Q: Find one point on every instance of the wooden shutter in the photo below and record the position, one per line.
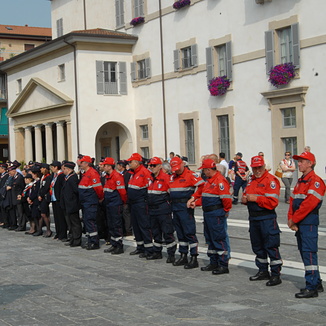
(295, 44)
(176, 60)
(123, 78)
(194, 56)
(100, 77)
(141, 7)
(136, 8)
(228, 60)
(117, 13)
(133, 71)
(269, 50)
(148, 67)
(209, 64)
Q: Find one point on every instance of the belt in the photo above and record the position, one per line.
(262, 213)
(153, 206)
(212, 208)
(180, 200)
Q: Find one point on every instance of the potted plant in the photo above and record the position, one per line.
(281, 74)
(181, 3)
(219, 85)
(137, 21)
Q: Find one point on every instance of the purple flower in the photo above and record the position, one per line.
(281, 74)
(181, 3)
(137, 20)
(219, 85)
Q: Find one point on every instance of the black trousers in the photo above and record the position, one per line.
(75, 228)
(59, 220)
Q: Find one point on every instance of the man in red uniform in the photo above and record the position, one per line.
(159, 207)
(216, 202)
(183, 184)
(137, 197)
(261, 197)
(90, 193)
(303, 217)
(241, 171)
(115, 197)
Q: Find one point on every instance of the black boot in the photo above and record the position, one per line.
(183, 260)
(170, 259)
(193, 263)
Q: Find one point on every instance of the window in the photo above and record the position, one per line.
(290, 145)
(219, 61)
(138, 8)
(119, 11)
(144, 152)
(144, 131)
(289, 118)
(190, 140)
(282, 45)
(61, 72)
(185, 58)
(29, 46)
(19, 86)
(59, 27)
(111, 77)
(2, 87)
(140, 69)
(224, 139)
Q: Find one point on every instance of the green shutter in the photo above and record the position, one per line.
(100, 77)
(295, 44)
(269, 50)
(209, 64)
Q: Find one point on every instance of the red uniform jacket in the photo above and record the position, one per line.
(90, 181)
(115, 188)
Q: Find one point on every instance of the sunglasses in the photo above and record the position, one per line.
(152, 165)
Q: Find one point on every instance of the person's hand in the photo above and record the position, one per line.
(191, 203)
(244, 199)
(251, 197)
(292, 226)
(39, 198)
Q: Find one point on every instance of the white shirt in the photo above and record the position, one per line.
(225, 163)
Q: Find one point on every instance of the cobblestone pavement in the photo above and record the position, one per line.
(43, 282)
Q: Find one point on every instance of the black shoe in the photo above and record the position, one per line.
(93, 246)
(183, 260)
(260, 276)
(155, 255)
(110, 249)
(274, 280)
(12, 228)
(192, 264)
(319, 288)
(38, 233)
(136, 252)
(117, 251)
(73, 244)
(307, 294)
(234, 202)
(84, 245)
(144, 255)
(20, 229)
(170, 259)
(220, 270)
(67, 244)
(208, 268)
(65, 240)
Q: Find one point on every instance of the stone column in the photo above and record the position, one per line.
(38, 143)
(28, 144)
(49, 142)
(60, 140)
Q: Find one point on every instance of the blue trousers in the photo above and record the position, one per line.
(89, 219)
(307, 239)
(238, 183)
(185, 226)
(217, 239)
(265, 241)
(114, 224)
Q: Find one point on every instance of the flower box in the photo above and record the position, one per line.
(281, 74)
(219, 85)
(181, 3)
(137, 21)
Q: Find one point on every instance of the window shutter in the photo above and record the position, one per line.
(176, 60)
(148, 67)
(123, 78)
(209, 64)
(269, 50)
(122, 13)
(117, 13)
(136, 8)
(100, 77)
(295, 44)
(194, 58)
(141, 7)
(133, 71)
(228, 60)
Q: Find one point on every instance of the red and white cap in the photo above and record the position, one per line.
(207, 164)
(135, 157)
(87, 159)
(257, 161)
(175, 163)
(305, 156)
(108, 161)
(155, 160)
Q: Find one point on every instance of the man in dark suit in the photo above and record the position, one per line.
(3, 178)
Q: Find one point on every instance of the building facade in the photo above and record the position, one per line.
(104, 87)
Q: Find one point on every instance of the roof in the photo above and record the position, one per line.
(106, 32)
(25, 30)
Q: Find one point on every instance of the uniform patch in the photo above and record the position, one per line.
(118, 183)
(273, 185)
(317, 185)
(159, 186)
(94, 180)
(221, 186)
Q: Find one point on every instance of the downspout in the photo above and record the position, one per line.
(163, 82)
(76, 94)
(85, 25)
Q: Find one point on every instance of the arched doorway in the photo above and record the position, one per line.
(113, 140)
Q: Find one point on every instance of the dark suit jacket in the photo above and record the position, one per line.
(58, 185)
(69, 194)
(18, 185)
(44, 190)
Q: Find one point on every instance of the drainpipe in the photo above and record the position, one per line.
(163, 82)
(85, 26)
(76, 94)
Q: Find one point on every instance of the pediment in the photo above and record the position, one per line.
(38, 96)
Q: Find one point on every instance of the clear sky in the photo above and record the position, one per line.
(36, 13)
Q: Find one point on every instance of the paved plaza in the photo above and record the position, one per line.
(43, 282)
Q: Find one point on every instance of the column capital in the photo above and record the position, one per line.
(60, 123)
(28, 127)
(48, 124)
(39, 126)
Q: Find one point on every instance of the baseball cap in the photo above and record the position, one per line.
(175, 163)
(155, 160)
(305, 156)
(108, 161)
(207, 164)
(135, 157)
(257, 161)
(86, 158)
(239, 154)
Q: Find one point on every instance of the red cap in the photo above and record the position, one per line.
(207, 164)
(155, 160)
(257, 161)
(108, 161)
(305, 156)
(87, 159)
(175, 163)
(136, 157)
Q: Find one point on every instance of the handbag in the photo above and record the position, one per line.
(279, 172)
